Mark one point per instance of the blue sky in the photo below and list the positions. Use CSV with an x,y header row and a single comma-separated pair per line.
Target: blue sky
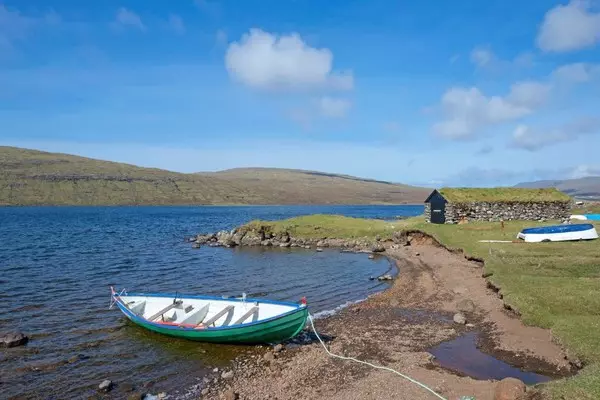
x,y
460,93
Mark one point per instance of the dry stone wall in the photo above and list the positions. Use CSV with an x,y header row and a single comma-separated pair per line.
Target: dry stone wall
x,y
427,212
506,211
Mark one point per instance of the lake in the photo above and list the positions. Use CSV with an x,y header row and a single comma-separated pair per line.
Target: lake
x,y
57,263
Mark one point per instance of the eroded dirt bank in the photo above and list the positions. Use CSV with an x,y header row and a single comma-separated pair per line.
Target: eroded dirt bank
x,y
394,329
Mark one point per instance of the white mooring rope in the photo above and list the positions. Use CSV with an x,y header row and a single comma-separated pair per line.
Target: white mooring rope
x,y
408,378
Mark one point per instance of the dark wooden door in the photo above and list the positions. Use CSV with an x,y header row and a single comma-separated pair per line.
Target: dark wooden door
x,y
438,211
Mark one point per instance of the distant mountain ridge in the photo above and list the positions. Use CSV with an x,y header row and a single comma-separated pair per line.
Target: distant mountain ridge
x,y
31,177
581,188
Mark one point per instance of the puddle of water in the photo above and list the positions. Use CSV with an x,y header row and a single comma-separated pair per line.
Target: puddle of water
x,y
462,355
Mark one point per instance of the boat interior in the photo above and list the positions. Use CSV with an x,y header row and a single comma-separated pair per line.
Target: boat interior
x,y
201,313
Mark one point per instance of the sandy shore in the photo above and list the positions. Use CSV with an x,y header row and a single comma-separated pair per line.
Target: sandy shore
x,y
394,329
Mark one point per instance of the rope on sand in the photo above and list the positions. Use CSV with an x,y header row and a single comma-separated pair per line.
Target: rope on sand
x,y
408,378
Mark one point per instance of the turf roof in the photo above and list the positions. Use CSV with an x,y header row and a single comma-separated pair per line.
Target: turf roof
x,y
503,194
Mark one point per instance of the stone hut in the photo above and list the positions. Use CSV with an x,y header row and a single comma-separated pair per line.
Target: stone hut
x,y
453,205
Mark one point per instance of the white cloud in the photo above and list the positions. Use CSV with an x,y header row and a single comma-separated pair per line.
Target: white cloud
x,y
529,94
266,61
569,27
577,72
127,18
467,110
482,56
176,24
334,107
530,139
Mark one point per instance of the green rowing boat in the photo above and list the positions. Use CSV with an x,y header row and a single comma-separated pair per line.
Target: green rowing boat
x,y
214,319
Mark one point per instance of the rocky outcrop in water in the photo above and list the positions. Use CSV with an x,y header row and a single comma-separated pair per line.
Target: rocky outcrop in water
x,y
263,237
13,339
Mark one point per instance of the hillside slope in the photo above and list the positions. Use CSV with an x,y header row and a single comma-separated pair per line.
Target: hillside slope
x,y
31,177
582,188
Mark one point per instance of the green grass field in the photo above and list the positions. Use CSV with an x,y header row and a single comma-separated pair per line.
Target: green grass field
x,y
330,226
554,285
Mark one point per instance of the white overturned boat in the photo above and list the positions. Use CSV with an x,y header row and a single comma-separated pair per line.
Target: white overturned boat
x,y
559,233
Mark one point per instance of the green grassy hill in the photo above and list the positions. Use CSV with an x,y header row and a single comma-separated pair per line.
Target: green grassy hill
x,y
31,177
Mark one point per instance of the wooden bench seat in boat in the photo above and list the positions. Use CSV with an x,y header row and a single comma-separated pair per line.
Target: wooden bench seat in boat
x,y
195,317
137,308
164,310
251,312
227,310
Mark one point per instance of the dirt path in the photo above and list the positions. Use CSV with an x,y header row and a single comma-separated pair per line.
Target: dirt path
x,y
394,328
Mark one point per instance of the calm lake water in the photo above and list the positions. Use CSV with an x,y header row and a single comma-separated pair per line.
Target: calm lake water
x,y
56,265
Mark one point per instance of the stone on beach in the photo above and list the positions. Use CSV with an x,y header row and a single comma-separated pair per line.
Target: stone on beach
x,y
227,375
510,389
126,387
105,386
465,305
250,239
230,394
378,248
278,348
459,318
13,339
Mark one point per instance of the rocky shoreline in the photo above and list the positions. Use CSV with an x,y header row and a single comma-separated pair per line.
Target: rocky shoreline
x,y
263,237
440,294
